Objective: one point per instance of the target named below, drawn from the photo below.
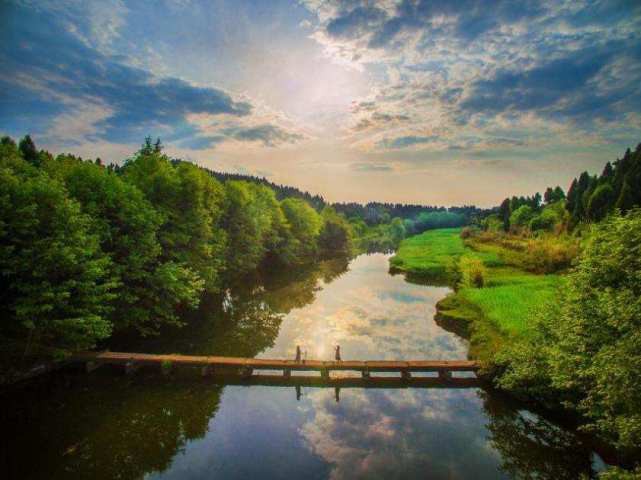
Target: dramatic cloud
(51, 74)
(467, 68)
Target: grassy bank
(490, 315)
(433, 254)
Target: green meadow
(506, 302)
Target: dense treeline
(86, 250)
(374, 213)
(282, 191)
(590, 198)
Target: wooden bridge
(245, 367)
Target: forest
(88, 250)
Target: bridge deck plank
(279, 364)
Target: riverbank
(488, 316)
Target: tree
(608, 172)
(149, 291)
(397, 231)
(336, 236)
(585, 348)
(521, 216)
(505, 212)
(304, 225)
(573, 195)
(190, 203)
(626, 198)
(245, 249)
(597, 347)
(55, 283)
(558, 194)
(29, 151)
(600, 202)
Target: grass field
(432, 253)
(504, 305)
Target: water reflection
(102, 425)
(532, 447)
(371, 315)
(151, 426)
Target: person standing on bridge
(338, 353)
(298, 353)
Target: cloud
(566, 87)
(406, 141)
(354, 22)
(268, 135)
(201, 142)
(64, 71)
(371, 167)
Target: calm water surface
(108, 426)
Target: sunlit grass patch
(512, 297)
(429, 253)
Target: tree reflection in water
(532, 447)
(102, 425)
(244, 320)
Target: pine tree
(28, 151)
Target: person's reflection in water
(337, 394)
(298, 393)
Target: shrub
(466, 233)
(472, 272)
(549, 254)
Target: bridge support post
(131, 367)
(246, 372)
(445, 375)
(91, 366)
(406, 375)
(287, 373)
(207, 371)
(365, 373)
(324, 374)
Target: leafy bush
(549, 254)
(473, 272)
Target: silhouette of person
(298, 393)
(337, 394)
(338, 353)
(298, 353)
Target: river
(106, 425)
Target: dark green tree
(29, 151)
(56, 289)
(600, 202)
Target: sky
(443, 102)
